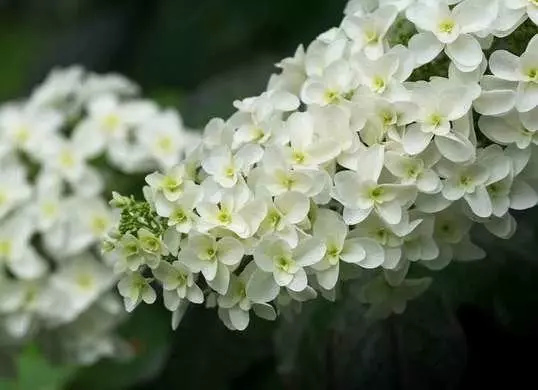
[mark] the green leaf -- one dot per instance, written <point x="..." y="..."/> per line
<point x="35" y="372"/>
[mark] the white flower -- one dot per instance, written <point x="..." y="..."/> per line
<point x="307" y="149"/>
<point x="82" y="280"/>
<point x="178" y="284"/>
<point x="163" y="137"/>
<point x="468" y="182"/>
<point x="235" y="306"/>
<point x="180" y="212"/>
<point x="440" y="102"/>
<point x="384" y="76"/>
<point x="170" y="185"/>
<point x="512" y="128"/>
<point x="281" y="266"/>
<point x="450" y="29"/>
<point x="521" y="70"/>
<point x="15" y="252"/>
<point x="225" y="168"/>
<point x="211" y="257"/>
<point x="277" y="175"/>
<point x="332" y="231"/>
<point x="25" y="128"/>
<point x="414" y="170"/>
<point x="332" y="87"/>
<point x="283" y="214"/>
<point x="236" y="211"/>
<point x="360" y="192"/>
<point x="14" y="188"/>
<point x="134" y="288"/>
<point x="530" y="7"/>
<point x="367" y="32"/>
<point x="109" y="121"/>
<point x="390" y="237"/>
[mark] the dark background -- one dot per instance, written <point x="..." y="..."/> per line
<point x="476" y="328"/>
<point x="195" y="54"/>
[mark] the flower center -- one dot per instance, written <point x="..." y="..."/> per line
<point x="284" y="263"/>
<point x="371" y="36"/>
<point x="171" y="183"/>
<point x="229" y="172"/>
<point x="165" y="144"/>
<point x="67" y="160"/>
<point x="224" y="217"/>
<point x="446" y="26"/>
<point x="111" y="123"/>
<point x="5" y="248"/>
<point x="85" y="281"/>
<point x="381" y="235"/>
<point x="3" y="198"/>
<point x="378" y="84"/>
<point x="435" y="120"/>
<point x="376" y="193"/>
<point x="99" y="224"/>
<point x="287" y="181"/>
<point x="332" y="97"/>
<point x="533" y="72"/>
<point x="150" y="244"/>
<point x="299" y="157"/>
<point x="333" y="254"/>
<point x="257" y="134"/>
<point x="49" y="209"/>
<point x="466" y="181"/>
<point x="179" y="216"/>
<point x="274" y="218"/>
<point x="130" y="249"/>
<point x="22" y="134"/>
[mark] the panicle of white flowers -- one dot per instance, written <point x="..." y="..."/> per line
<point x="58" y="149"/>
<point x="362" y="154"/>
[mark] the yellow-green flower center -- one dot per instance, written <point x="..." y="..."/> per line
<point x="284" y="263"/>
<point x="378" y="84"/>
<point x="447" y="26"/>
<point x="224" y="217"/>
<point x="332" y="97"/>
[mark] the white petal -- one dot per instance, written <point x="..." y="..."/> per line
<point x="261" y="287"/>
<point x="293" y="205"/>
<point x="355" y="216"/>
<point x="239" y="318"/>
<point x="391" y="212"/>
<point x="309" y="251"/>
<point x="328" y="278"/>
<point x="527" y="96"/>
<point x="230" y="251"/>
<point x="495" y="102"/>
<point x="282" y="278"/>
<point x="522" y="196"/>
<point x="415" y="140"/>
<point x="371" y="163"/>
<point x="480" y="202"/>
<point x="504" y="65"/>
<point x="455" y="147"/>
<point x="428" y="182"/>
<point x="465" y="51"/>
<point x="299" y="281"/>
<point x="265" y="311"/>
<point x="425" y="47"/>
<point x="221" y="280"/>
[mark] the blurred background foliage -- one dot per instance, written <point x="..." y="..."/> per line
<point x="476" y="326"/>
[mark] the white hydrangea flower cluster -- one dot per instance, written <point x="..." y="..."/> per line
<point x="348" y="161"/>
<point x="58" y="149"/>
